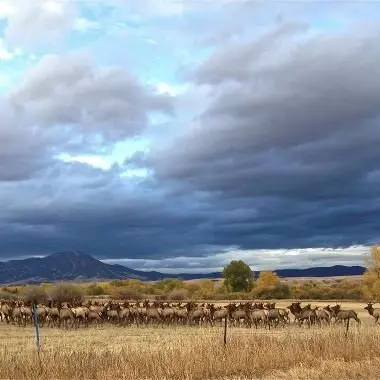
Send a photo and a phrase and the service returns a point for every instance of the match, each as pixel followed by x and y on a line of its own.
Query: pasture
pixel 183 352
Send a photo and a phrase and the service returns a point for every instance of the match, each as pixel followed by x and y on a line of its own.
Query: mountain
pixel 74 265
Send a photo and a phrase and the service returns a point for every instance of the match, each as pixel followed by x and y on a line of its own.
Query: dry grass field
pixel 180 352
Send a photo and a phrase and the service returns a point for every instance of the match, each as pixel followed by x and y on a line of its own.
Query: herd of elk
pixel 267 315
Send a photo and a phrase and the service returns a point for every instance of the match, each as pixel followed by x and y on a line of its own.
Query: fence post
pixel 37 329
pixel 347 327
pixel 225 330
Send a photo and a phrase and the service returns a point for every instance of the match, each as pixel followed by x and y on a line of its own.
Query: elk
pixel 274 315
pixel 303 314
pixel 6 311
pixel 259 315
pixel 65 315
pixel 345 315
pixel 152 312
pixel 219 313
pixel 322 315
pixel 372 311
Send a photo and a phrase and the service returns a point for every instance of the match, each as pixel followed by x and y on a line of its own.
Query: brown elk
pixel 375 313
pixel 259 315
pixel 322 315
pixel 66 315
pixel 274 315
pixel 345 315
pixel 152 312
pixel 303 314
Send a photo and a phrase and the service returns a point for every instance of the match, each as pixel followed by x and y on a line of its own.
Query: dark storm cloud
pixel 298 124
pixel 285 155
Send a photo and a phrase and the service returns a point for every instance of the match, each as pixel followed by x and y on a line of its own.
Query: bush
pixel 279 291
pixel 169 285
pixel 34 293
pixel 161 297
pixel 10 290
pixel 66 293
pixel 94 290
pixel 178 295
pixel 125 293
pixel 117 283
pixel 6 296
pixel 233 296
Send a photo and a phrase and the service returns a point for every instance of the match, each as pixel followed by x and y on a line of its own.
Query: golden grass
pixel 108 352
pixel 196 353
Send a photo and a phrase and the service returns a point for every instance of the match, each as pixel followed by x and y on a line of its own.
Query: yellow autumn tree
pixel 370 285
pixel 269 286
pixel 267 280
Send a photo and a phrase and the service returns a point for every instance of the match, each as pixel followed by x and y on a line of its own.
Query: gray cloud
pixel 69 104
pixel 275 145
pixel 72 91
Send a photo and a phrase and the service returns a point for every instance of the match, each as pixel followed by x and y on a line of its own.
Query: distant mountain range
pixel 79 266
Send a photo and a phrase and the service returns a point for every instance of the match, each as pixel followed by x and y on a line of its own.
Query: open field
pixel 181 352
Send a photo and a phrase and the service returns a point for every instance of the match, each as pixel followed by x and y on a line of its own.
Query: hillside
pixel 74 265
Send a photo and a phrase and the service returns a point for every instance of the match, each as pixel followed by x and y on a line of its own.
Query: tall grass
pixel 183 353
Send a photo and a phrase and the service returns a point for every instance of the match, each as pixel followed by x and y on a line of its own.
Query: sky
pixel 179 135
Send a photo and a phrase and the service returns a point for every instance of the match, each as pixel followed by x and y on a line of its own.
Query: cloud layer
pixel 183 152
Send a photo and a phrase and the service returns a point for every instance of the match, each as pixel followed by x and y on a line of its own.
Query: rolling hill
pixel 79 266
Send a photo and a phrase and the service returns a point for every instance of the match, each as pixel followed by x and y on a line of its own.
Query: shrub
pixel 116 283
pixel 95 290
pixel 169 284
pixel 6 296
pixel 233 296
pixel 178 295
pixel 124 293
pixel 10 290
pixel 34 293
pixel 66 293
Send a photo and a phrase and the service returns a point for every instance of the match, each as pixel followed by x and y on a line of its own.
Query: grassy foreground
pixel 191 353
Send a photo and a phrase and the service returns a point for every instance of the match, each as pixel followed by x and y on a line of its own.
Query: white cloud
pixel 260 259
pixel 30 23
pixel 83 24
pixel 170 89
pixel 93 160
pixel 5 54
pixel 6 9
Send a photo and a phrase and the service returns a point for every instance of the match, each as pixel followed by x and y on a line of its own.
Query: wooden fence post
pixel 37 329
pixel 347 326
pixel 225 331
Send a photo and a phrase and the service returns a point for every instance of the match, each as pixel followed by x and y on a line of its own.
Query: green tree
pixel 238 276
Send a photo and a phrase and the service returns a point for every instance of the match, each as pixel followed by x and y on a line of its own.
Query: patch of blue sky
pixel 12 70
pixel 115 154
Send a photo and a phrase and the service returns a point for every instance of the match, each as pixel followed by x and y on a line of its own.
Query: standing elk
pixel 345 315
pixel 375 313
